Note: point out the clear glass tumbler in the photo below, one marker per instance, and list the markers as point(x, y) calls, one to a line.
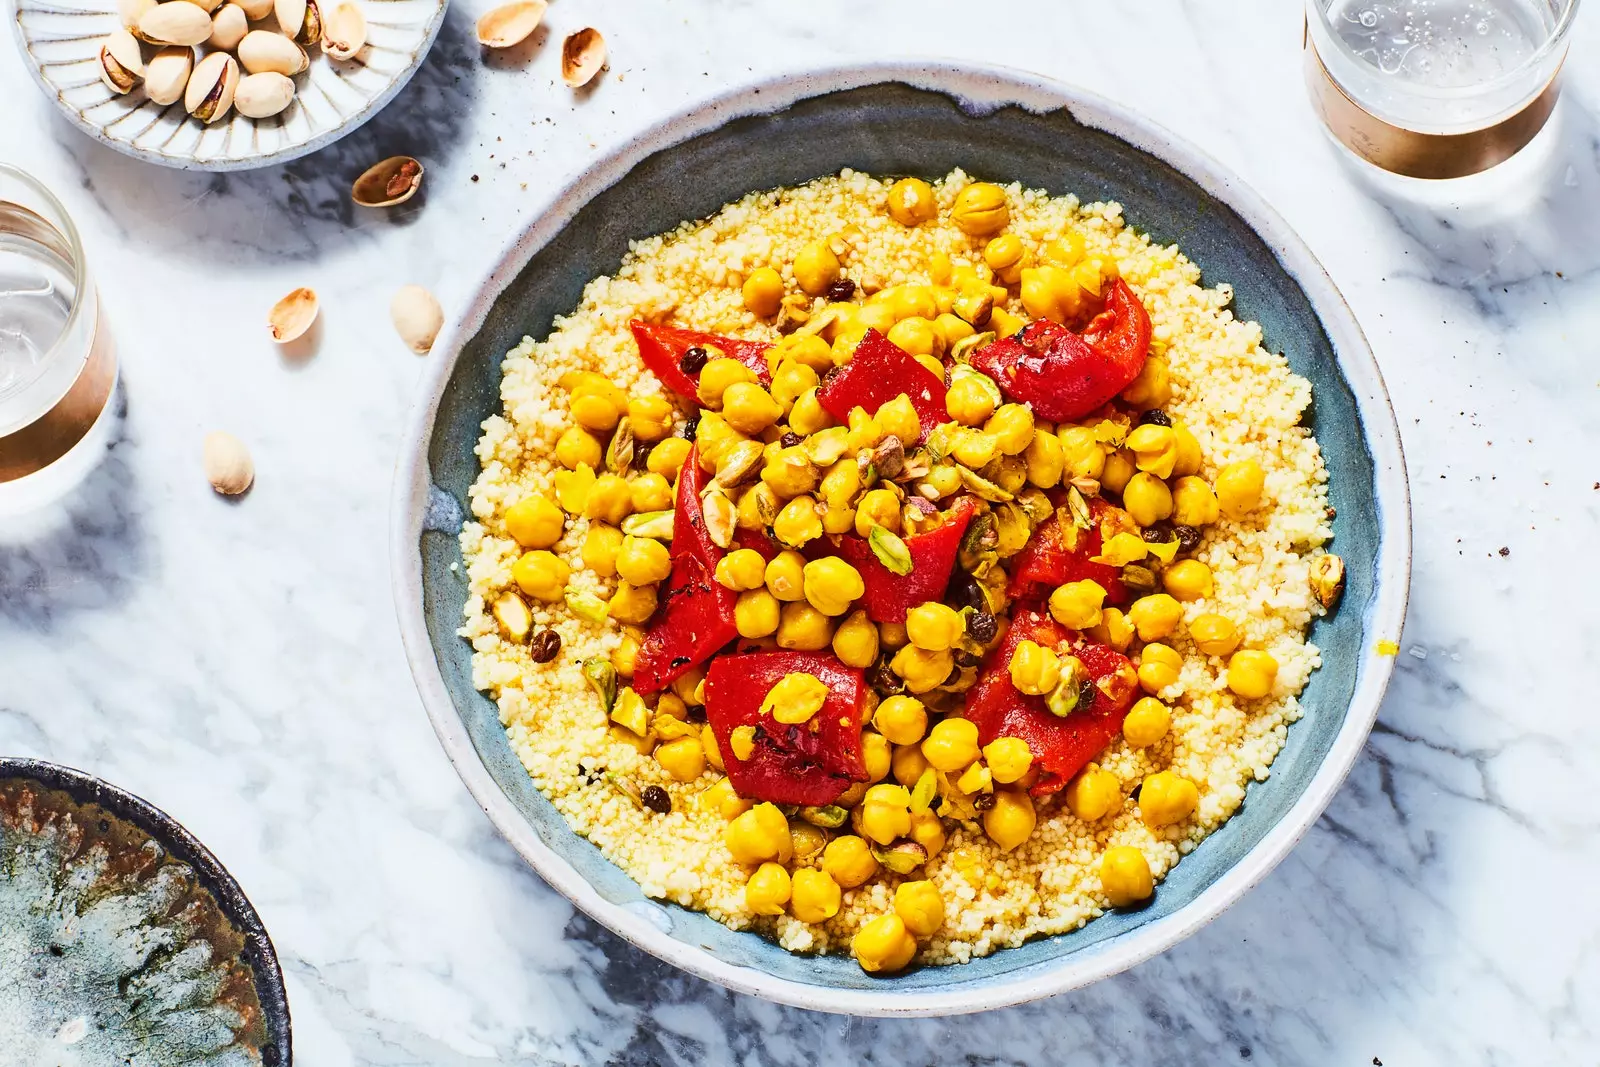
point(1435, 88)
point(58, 367)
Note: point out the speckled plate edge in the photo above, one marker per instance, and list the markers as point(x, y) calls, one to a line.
point(370, 107)
point(979, 88)
point(184, 846)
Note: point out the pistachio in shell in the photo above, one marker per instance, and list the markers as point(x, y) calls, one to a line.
point(167, 73)
point(583, 54)
point(228, 26)
point(387, 183)
point(175, 22)
point(209, 93)
point(208, 6)
point(293, 315)
point(255, 10)
point(130, 11)
point(263, 95)
point(510, 24)
point(228, 465)
point(417, 317)
point(300, 20)
point(263, 50)
point(344, 31)
point(121, 64)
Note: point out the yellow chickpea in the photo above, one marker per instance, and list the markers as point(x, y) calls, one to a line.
point(1125, 876)
point(934, 626)
point(577, 445)
point(631, 603)
point(815, 896)
point(1251, 673)
point(802, 627)
point(610, 500)
point(1078, 605)
point(911, 202)
point(790, 382)
point(883, 945)
point(968, 401)
point(1114, 629)
point(901, 719)
point(715, 378)
point(756, 613)
point(1009, 758)
point(921, 669)
point(759, 835)
point(1035, 670)
point(1118, 471)
point(763, 292)
point(1147, 722)
point(666, 459)
point(643, 560)
point(1050, 292)
point(535, 522)
point(1155, 616)
point(1158, 667)
point(1147, 499)
point(741, 570)
point(917, 336)
point(951, 745)
point(789, 472)
point(908, 764)
point(768, 890)
point(799, 522)
point(1188, 580)
point(952, 328)
point(650, 492)
point(898, 417)
point(855, 642)
point(1239, 488)
point(1004, 257)
point(920, 907)
point(651, 417)
point(1046, 460)
point(595, 411)
point(1166, 798)
point(749, 408)
point(785, 576)
point(816, 268)
point(1010, 821)
point(808, 415)
point(1012, 428)
point(1215, 635)
point(1189, 458)
point(831, 585)
point(1193, 502)
point(980, 210)
point(683, 759)
point(1152, 388)
point(878, 507)
point(1094, 794)
point(848, 861)
point(541, 575)
point(876, 754)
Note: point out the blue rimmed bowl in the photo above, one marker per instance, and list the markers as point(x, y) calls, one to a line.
point(913, 119)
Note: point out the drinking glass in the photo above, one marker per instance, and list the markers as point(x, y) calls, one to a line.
point(58, 368)
point(1435, 88)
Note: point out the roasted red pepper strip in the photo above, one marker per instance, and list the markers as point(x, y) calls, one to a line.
point(889, 596)
point(791, 764)
point(695, 616)
point(1046, 562)
point(879, 371)
point(662, 349)
point(1065, 375)
point(1061, 747)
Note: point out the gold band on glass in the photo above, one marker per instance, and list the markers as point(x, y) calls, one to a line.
point(52, 435)
point(1422, 155)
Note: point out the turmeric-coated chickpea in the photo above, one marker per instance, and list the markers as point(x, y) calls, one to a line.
point(790, 382)
point(980, 210)
point(1114, 629)
point(885, 813)
point(1188, 580)
point(831, 585)
point(816, 268)
point(535, 522)
point(1004, 257)
point(626, 653)
point(877, 507)
point(920, 907)
point(876, 755)
point(808, 415)
point(610, 499)
point(666, 459)
point(1046, 460)
point(1147, 499)
point(1213, 634)
point(650, 417)
point(928, 831)
point(898, 417)
point(968, 401)
point(855, 642)
point(785, 576)
point(1155, 616)
point(763, 292)
point(749, 408)
point(1193, 502)
point(1125, 876)
point(1239, 488)
point(756, 613)
point(1093, 794)
point(802, 627)
point(682, 758)
point(1079, 605)
point(1154, 448)
point(577, 445)
point(952, 328)
point(934, 626)
point(1146, 723)
point(848, 860)
point(814, 895)
point(1034, 669)
point(768, 890)
point(1010, 821)
point(1166, 798)
point(1050, 292)
point(917, 336)
point(741, 570)
point(542, 575)
point(1189, 457)
point(1011, 426)
point(650, 492)
point(901, 719)
point(974, 449)
point(921, 669)
point(1066, 250)
point(951, 745)
point(643, 560)
point(908, 765)
point(799, 522)
point(631, 603)
point(789, 472)
point(1251, 673)
point(595, 411)
point(1158, 667)
point(759, 835)
point(1117, 471)
point(883, 945)
point(715, 378)
point(1153, 387)
point(1009, 758)
point(911, 202)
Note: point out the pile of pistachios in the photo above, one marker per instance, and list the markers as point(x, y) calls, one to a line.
point(156, 48)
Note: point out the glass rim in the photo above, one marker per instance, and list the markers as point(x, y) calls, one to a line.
point(1556, 41)
point(80, 274)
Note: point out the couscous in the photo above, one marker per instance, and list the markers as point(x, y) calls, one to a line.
point(898, 568)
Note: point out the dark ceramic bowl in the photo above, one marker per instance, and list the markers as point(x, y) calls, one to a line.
point(140, 948)
point(995, 124)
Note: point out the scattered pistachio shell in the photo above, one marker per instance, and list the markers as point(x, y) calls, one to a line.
point(255, 10)
point(1327, 580)
point(602, 678)
point(130, 11)
point(167, 73)
point(121, 63)
point(392, 181)
point(583, 53)
point(262, 51)
point(228, 27)
point(587, 606)
point(209, 94)
point(510, 24)
point(656, 524)
point(417, 317)
point(175, 22)
point(293, 315)
point(262, 95)
point(890, 550)
point(512, 613)
point(228, 463)
point(300, 20)
point(344, 32)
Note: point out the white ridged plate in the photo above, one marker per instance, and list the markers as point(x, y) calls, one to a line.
point(61, 39)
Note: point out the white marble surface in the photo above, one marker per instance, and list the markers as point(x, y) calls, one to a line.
point(238, 663)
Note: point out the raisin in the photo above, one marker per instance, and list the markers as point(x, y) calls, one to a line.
point(656, 799)
point(1155, 417)
point(693, 361)
point(1158, 532)
point(1188, 537)
point(982, 626)
point(843, 289)
point(544, 646)
point(1086, 692)
point(790, 439)
point(882, 678)
point(965, 591)
point(983, 801)
point(690, 428)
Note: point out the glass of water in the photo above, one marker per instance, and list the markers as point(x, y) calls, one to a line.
point(58, 369)
point(1435, 88)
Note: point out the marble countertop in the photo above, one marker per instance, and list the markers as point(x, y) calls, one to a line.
point(238, 663)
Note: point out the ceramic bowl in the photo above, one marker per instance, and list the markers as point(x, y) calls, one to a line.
point(919, 120)
point(60, 41)
point(142, 947)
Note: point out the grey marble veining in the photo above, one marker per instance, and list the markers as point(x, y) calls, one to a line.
point(238, 664)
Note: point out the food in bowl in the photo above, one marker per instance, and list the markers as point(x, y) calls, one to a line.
point(898, 568)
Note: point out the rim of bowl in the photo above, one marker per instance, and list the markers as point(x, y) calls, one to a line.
point(176, 839)
point(978, 87)
point(322, 140)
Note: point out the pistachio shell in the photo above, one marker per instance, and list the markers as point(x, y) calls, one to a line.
point(300, 20)
point(228, 27)
point(417, 317)
point(175, 22)
point(211, 87)
point(208, 6)
point(263, 50)
point(293, 315)
point(131, 10)
point(228, 465)
point(263, 95)
point(583, 54)
point(255, 10)
point(385, 184)
point(167, 73)
point(344, 32)
point(510, 24)
point(121, 64)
